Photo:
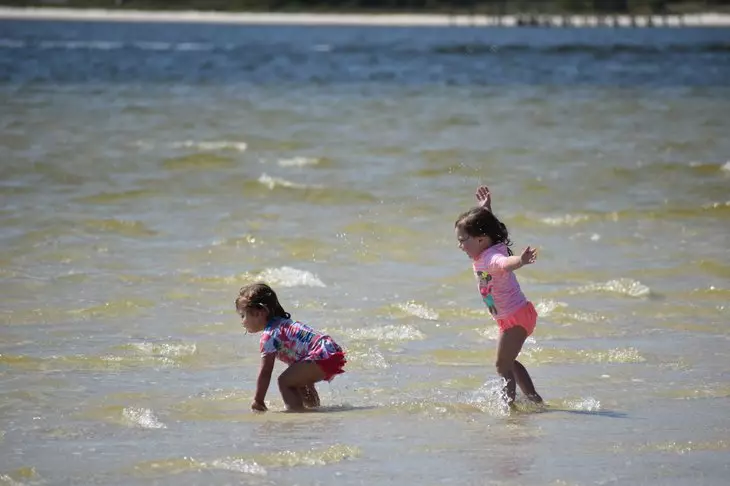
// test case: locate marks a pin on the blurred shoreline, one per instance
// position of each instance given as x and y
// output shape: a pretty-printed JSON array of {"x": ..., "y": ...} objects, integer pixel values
[{"x": 707, "y": 19}]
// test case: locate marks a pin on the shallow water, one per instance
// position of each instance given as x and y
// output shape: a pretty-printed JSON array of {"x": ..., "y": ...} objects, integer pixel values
[{"x": 149, "y": 171}]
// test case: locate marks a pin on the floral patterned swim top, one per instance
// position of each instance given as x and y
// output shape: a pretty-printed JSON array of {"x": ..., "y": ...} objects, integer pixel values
[{"x": 293, "y": 341}]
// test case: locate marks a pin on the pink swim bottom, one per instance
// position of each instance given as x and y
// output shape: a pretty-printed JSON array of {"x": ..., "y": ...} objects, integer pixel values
[
  {"x": 525, "y": 316},
  {"x": 332, "y": 365}
]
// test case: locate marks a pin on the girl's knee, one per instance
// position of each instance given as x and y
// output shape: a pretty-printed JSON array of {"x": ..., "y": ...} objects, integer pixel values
[
  {"x": 504, "y": 366},
  {"x": 284, "y": 381}
]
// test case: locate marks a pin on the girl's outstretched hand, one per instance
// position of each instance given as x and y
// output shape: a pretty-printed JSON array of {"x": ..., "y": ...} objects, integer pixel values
[
  {"x": 258, "y": 406},
  {"x": 529, "y": 255},
  {"x": 484, "y": 198}
]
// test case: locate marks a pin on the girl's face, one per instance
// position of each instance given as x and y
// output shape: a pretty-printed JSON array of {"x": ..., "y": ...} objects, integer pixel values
[
  {"x": 254, "y": 319},
  {"x": 473, "y": 246}
]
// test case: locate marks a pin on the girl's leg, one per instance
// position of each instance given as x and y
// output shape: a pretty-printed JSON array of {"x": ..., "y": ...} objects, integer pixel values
[
  {"x": 296, "y": 376},
  {"x": 508, "y": 347},
  {"x": 522, "y": 377},
  {"x": 310, "y": 397}
]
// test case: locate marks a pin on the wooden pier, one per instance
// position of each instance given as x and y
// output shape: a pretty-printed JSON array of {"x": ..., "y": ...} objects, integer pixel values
[
  {"x": 605, "y": 13},
  {"x": 569, "y": 20}
]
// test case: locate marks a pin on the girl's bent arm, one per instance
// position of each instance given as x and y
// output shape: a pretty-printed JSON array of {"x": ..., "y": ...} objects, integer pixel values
[
  {"x": 262, "y": 383},
  {"x": 512, "y": 263}
]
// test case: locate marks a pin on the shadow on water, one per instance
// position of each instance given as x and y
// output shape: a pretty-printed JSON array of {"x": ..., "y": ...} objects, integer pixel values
[
  {"x": 596, "y": 413},
  {"x": 344, "y": 408},
  {"x": 332, "y": 409}
]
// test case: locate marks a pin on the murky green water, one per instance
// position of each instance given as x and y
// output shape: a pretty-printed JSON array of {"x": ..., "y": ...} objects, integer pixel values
[{"x": 150, "y": 171}]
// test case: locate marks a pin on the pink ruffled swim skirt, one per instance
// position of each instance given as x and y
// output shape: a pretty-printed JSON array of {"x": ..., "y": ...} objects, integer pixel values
[{"x": 525, "y": 316}]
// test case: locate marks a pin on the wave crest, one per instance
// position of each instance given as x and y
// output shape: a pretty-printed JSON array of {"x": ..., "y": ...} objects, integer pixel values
[
  {"x": 290, "y": 277},
  {"x": 623, "y": 286}
]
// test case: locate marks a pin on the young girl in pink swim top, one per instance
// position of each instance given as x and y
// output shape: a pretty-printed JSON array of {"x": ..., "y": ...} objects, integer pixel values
[
  {"x": 311, "y": 355},
  {"x": 485, "y": 239}
]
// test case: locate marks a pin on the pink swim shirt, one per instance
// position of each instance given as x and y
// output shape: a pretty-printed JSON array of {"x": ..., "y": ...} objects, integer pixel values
[{"x": 498, "y": 287}]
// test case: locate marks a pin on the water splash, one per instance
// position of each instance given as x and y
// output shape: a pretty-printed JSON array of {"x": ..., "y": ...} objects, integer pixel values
[
  {"x": 618, "y": 355},
  {"x": 170, "y": 350},
  {"x": 370, "y": 358},
  {"x": 237, "y": 465},
  {"x": 111, "y": 361},
  {"x": 559, "y": 313},
  {"x": 545, "y": 307},
  {"x": 490, "y": 398},
  {"x": 540, "y": 355},
  {"x": 579, "y": 317},
  {"x": 565, "y": 220},
  {"x": 385, "y": 333},
  {"x": 255, "y": 465},
  {"x": 19, "y": 476},
  {"x": 311, "y": 457},
  {"x": 142, "y": 417},
  {"x": 531, "y": 349},
  {"x": 220, "y": 394},
  {"x": 299, "y": 162},
  {"x": 623, "y": 286},
  {"x": 290, "y": 277},
  {"x": 588, "y": 404},
  {"x": 717, "y": 205},
  {"x": 243, "y": 241},
  {"x": 273, "y": 182},
  {"x": 419, "y": 310},
  {"x": 490, "y": 332}
]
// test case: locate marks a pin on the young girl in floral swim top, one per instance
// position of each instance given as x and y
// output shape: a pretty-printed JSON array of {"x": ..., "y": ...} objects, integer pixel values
[
  {"x": 311, "y": 355},
  {"x": 485, "y": 239}
]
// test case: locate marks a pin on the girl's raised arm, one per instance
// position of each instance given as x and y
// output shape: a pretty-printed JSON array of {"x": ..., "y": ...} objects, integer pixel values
[{"x": 484, "y": 198}]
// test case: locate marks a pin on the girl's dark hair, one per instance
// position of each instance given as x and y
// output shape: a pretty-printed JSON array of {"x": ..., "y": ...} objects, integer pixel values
[
  {"x": 260, "y": 295},
  {"x": 480, "y": 222}
]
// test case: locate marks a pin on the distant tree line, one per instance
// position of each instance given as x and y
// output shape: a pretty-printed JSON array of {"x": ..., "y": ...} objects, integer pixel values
[{"x": 495, "y": 6}]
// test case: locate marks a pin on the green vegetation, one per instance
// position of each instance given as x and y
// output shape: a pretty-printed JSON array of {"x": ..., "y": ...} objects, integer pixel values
[{"x": 484, "y": 6}]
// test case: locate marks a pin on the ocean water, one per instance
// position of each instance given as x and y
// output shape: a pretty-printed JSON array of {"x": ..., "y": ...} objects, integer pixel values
[{"x": 150, "y": 170}]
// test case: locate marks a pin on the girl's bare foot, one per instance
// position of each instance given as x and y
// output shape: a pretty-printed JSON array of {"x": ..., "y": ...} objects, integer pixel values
[{"x": 534, "y": 398}]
